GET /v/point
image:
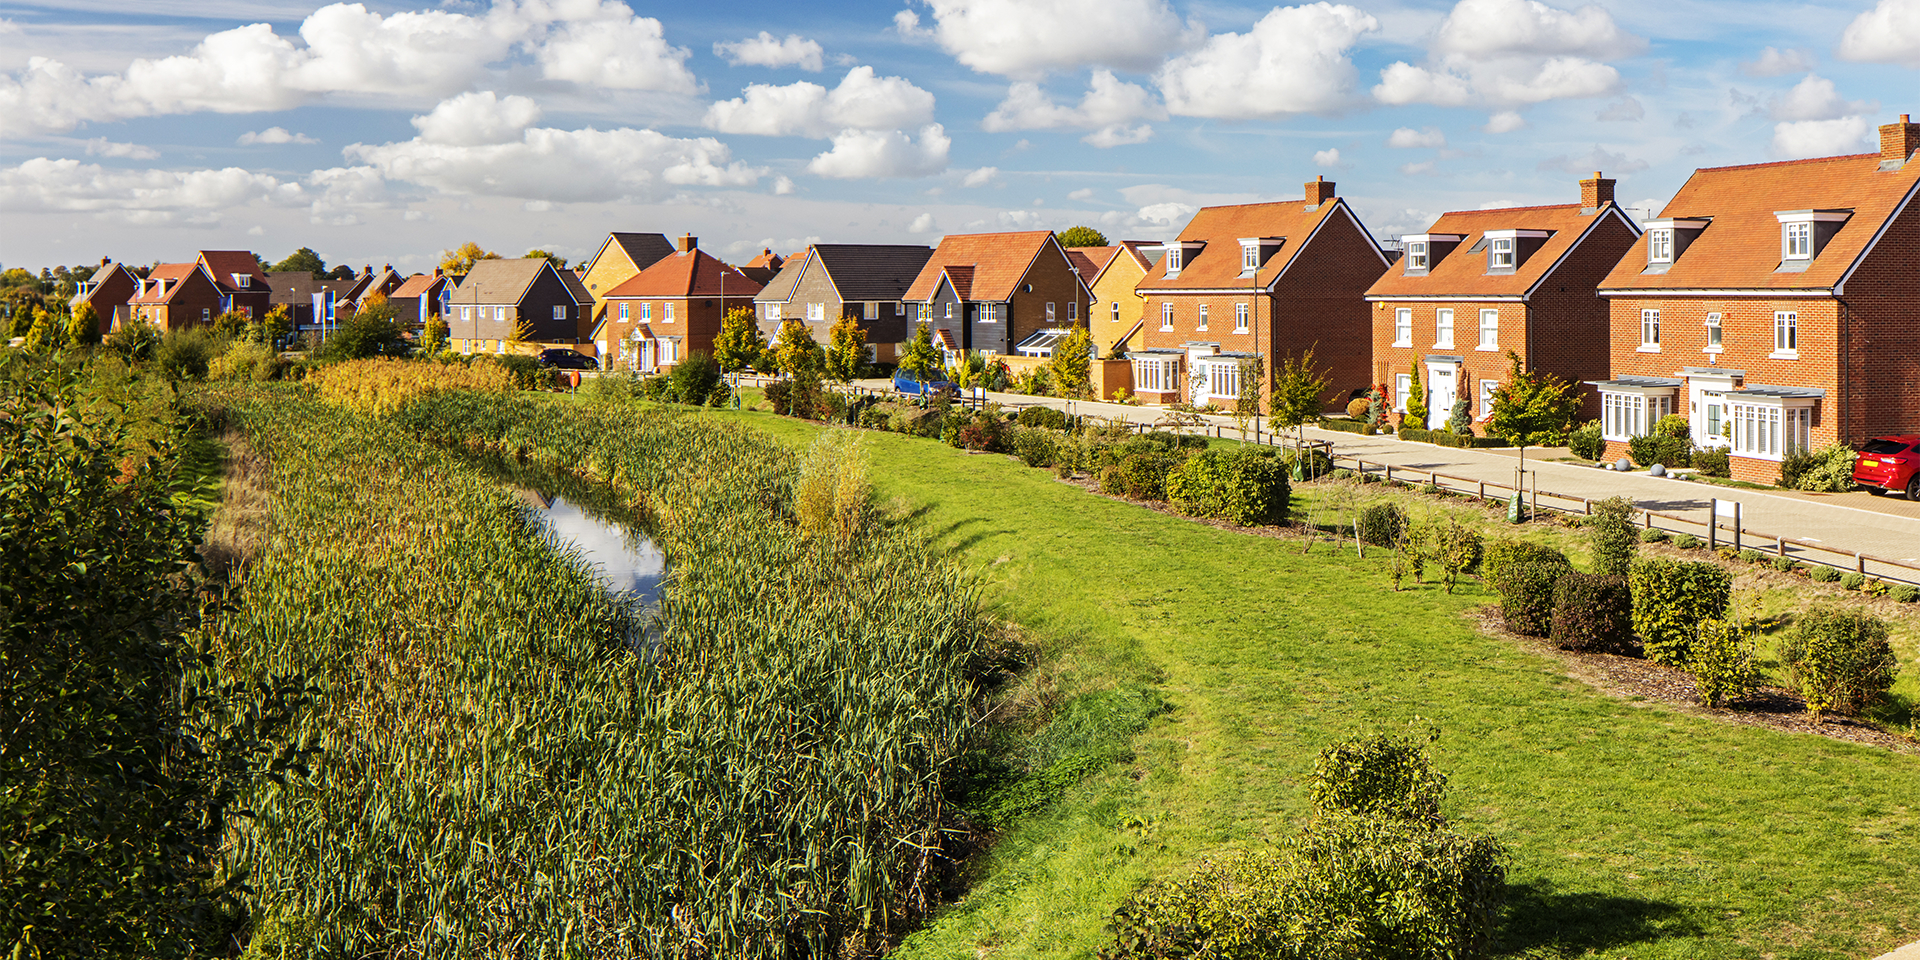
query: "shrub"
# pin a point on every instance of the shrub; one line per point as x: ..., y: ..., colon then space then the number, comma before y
x: 1644, y: 451
x: 1752, y: 556
x: 1853, y: 581
x: 1839, y: 660
x: 1503, y: 554
x: 1142, y: 476
x: 1826, y: 469
x: 1378, y: 776
x: 1420, y: 434
x: 1308, y: 464
x: 693, y: 379
x: 1824, y: 574
x: 1785, y: 564
x: 527, y: 373
x: 1357, y: 408
x: 1592, y: 614
x: 1654, y: 535
x: 1380, y: 524
x: 1043, y: 417
x: 1903, y: 593
x: 1526, y: 595
x: 184, y: 354
x: 1670, y: 599
x: 1036, y: 446
x: 134, y: 340
x: 984, y: 434
x: 1614, y: 540
x: 1457, y: 547
x: 1713, y: 462
x: 246, y: 361
x: 1247, y: 486
x: 369, y: 333
x: 1586, y: 442
x: 1722, y: 662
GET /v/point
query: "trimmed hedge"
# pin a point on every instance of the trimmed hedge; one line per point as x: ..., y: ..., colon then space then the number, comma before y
x: 1527, y: 595
x: 1840, y: 661
x: 1722, y: 664
x: 1343, y: 426
x: 1502, y: 554
x: 1381, y: 524
x: 1247, y: 486
x: 1670, y: 600
x: 1592, y: 613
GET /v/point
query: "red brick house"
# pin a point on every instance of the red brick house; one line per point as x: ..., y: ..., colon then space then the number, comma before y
x: 241, y: 279
x: 1481, y: 283
x: 108, y: 291
x: 421, y: 297
x: 671, y: 309
x: 994, y: 293
x: 1776, y: 305
x: 175, y: 296
x: 1259, y: 282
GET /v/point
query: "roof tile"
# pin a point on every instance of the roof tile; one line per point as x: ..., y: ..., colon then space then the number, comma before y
x: 998, y: 262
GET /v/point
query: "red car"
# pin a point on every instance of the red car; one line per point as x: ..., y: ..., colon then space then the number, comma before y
x: 1889, y: 463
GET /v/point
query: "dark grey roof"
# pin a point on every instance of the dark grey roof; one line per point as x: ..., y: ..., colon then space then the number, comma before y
x: 1770, y: 391
x: 871, y: 271
x: 644, y: 249
x: 780, y: 288
x: 575, y: 287
x: 1636, y: 382
x: 499, y: 281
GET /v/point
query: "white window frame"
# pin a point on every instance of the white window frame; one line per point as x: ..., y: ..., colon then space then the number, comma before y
x: 1796, y: 240
x: 1116, y: 311
x: 1223, y: 380
x: 1403, y: 327
x: 1489, y: 329
x: 500, y: 314
x: 870, y: 310
x: 646, y: 313
x: 1716, y: 333
x: 666, y: 312
x: 466, y: 314
x: 1166, y: 316
x: 1240, y: 318
x: 1443, y: 328
x: 949, y: 310
x: 1201, y: 323
x: 559, y: 311
x: 1660, y: 245
x: 1402, y: 387
x: 816, y: 312
x: 1417, y: 255
x: 1154, y: 374
x: 1486, y: 397
x: 626, y: 312
x: 1249, y: 258
x: 1649, y: 330
x: 1073, y: 311
x: 987, y: 312
x: 1500, y: 253
x: 1786, y: 335
x: 1625, y: 415
x: 926, y: 313
x: 1769, y: 430
x: 1173, y: 260
x: 1049, y: 311
x: 773, y: 311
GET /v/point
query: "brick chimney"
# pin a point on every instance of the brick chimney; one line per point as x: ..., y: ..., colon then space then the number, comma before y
x: 1899, y: 140
x: 1319, y: 191
x: 687, y: 243
x: 1595, y: 192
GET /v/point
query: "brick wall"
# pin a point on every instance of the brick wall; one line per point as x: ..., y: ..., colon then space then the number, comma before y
x: 1053, y: 282
x: 1569, y: 332
x: 1389, y: 361
x: 1882, y: 307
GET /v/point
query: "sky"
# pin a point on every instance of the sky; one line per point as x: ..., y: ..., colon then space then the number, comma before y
x: 374, y: 133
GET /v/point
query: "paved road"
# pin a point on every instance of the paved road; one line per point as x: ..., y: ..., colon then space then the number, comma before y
x: 1885, y: 527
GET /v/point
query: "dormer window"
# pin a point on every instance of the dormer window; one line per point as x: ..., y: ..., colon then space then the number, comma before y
x: 1417, y: 255
x: 1173, y: 260
x: 1797, y: 241
x: 1804, y: 232
x: 1667, y: 239
x: 1660, y: 245
x: 1249, y: 258
x: 1424, y: 250
x: 1500, y: 256
x: 244, y: 280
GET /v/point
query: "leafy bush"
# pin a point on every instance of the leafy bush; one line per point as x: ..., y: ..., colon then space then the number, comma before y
x: 1592, y: 613
x: 1457, y: 547
x: 1503, y: 554
x: 1685, y: 541
x: 1722, y: 662
x: 185, y: 354
x: 1853, y: 581
x: 246, y: 361
x: 1247, y: 486
x: 1785, y: 564
x: 1345, y: 426
x: 1654, y: 535
x: 134, y: 340
x: 1614, y: 540
x: 1357, y: 408
x: 1420, y: 434
x: 369, y: 333
x: 1826, y: 469
x: 1824, y: 574
x: 693, y: 379
x: 1378, y: 776
x: 1752, y: 556
x: 1903, y: 593
x: 1713, y: 462
x: 1036, y: 446
x: 1586, y: 441
x: 526, y: 372
x: 1839, y: 660
x: 1670, y: 599
x: 1380, y: 524
x: 1460, y: 418
x: 1139, y: 476
x: 1043, y: 417
x: 1527, y: 594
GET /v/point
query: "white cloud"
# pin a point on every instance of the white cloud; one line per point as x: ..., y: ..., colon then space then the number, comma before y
x: 865, y: 154
x: 1820, y: 138
x: 347, y: 49
x: 1028, y: 38
x: 1775, y: 62
x: 861, y: 101
x: 908, y: 24
x: 923, y: 224
x: 346, y: 192
x: 1108, y: 109
x: 1625, y: 109
x: 1599, y: 158
x: 980, y: 177
x: 1329, y: 157
x: 782, y: 185
x: 1816, y: 98
x: 1510, y: 52
x: 1084, y: 193
x: 1166, y: 214
x: 1506, y: 121
x: 471, y: 119
x: 102, y: 147
x: 1407, y: 138
x: 1889, y: 33
x: 1416, y: 169
x: 766, y: 50
x: 273, y: 135
x: 1294, y: 60
x: 151, y: 196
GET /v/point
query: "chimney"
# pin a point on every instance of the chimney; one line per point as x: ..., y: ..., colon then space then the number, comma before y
x: 1595, y: 192
x: 104, y: 261
x: 1898, y: 141
x: 687, y: 243
x: 1319, y: 191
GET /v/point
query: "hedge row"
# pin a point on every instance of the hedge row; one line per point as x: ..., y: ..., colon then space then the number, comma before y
x: 1444, y: 438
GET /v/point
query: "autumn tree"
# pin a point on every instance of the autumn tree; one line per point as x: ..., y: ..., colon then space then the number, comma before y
x: 847, y: 353
x: 83, y: 328
x: 1082, y: 236
x: 559, y: 262
x: 796, y: 351
x: 460, y: 260
x: 921, y: 359
x: 1532, y: 408
x: 1072, y: 362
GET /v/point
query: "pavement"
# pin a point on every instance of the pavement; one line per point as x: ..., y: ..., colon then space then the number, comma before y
x: 1909, y: 952
x: 1827, y: 528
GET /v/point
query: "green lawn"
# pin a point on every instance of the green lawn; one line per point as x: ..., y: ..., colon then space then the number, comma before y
x: 1635, y: 830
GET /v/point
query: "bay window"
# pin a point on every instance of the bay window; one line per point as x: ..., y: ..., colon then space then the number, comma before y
x: 1624, y: 416
x: 1154, y: 374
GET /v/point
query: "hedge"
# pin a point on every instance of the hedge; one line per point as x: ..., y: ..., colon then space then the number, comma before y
x: 1592, y: 614
x: 1502, y: 554
x: 1246, y: 486
x: 1840, y: 661
x: 1526, y: 596
x: 1671, y: 598
x: 1343, y: 426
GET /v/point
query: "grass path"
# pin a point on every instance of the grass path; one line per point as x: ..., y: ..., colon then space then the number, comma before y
x: 1636, y: 831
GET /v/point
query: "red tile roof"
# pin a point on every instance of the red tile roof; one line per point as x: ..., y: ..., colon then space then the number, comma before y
x: 172, y: 272
x: 767, y: 259
x: 1216, y: 264
x: 685, y: 274
x: 416, y: 285
x: 1463, y: 271
x: 223, y: 264
x: 998, y: 260
x: 1740, y: 248
x: 1091, y: 260
x: 962, y: 280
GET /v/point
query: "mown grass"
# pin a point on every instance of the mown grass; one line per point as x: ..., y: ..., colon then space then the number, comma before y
x: 1636, y: 830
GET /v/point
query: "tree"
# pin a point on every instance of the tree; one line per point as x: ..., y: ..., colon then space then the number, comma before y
x: 460, y: 260
x: 1072, y: 363
x: 433, y: 336
x: 847, y: 355
x: 1416, y: 399
x: 559, y: 262
x: 276, y: 325
x: 1246, y: 406
x: 796, y: 351
x: 1531, y: 407
x: 739, y: 345
x: 1082, y: 236
x: 231, y: 324
x: 303, y: 259
x: 922, y: 358
x: 84, y: 327
x: 1297, y: 392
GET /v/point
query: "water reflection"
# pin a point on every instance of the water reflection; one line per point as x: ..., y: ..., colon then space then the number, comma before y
x: 623, y: 559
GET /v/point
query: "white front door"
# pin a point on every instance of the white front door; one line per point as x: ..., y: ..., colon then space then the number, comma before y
x: 1442, y: 391
x: 1707, y: 410
x: 1197, y: 374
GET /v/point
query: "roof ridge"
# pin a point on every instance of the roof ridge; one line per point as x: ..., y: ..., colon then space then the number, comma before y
x: 1541, y: 206
x: 1789, y: 163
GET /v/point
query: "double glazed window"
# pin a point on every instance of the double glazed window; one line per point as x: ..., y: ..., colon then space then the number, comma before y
x: 1769, y: 431
x: 1239, y: 318
x: 1715, y: 331
x: 1203, y: 318
x: 1417, y: 255
x: 646, y: 313
x: 1166, y: 316
x: 1249, y: 258
x: 559, y: 312
x: 1489, y: 329
x: 1649, y: 329
x: 667, y: 308
x: 1797, y: 241
x: 1116, y: 311
x: 1501, y: 256
x: 626, y: 312
x: 1223, y: 380
x: 1786, y: 333
x: 1153, y: 374
x: 1624, y: 416
x: 1403, y: 327
x: 1660, y: 245
x: 1402, y: 389
x: 1443, y: 324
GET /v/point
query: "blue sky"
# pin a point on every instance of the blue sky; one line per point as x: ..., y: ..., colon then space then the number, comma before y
x: 383, y: 133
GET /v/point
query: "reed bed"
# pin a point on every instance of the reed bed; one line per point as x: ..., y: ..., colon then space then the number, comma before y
x: 493, y: 770
x: 380, y: 386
